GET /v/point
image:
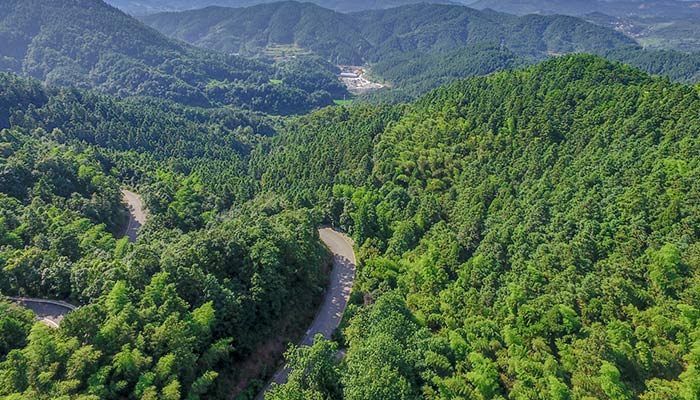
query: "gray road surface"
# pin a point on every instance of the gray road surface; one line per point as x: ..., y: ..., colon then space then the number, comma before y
x: 137, y: 214
x: 49, y: 312
x: 335, y: 300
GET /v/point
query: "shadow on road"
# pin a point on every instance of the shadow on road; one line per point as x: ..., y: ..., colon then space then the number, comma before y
x: 335, y: 300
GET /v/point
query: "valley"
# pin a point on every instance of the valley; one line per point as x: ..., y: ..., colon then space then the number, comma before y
x: 443, y: 44
x: 356, y: 80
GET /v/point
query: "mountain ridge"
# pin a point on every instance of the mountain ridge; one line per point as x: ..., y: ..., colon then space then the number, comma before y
x: 369, y: 35
x: 90, y: 44
x: 146, y: 7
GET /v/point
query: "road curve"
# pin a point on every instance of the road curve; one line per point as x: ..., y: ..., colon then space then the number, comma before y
x: 50, y: 312
x: 137, y: 214
x: 335, y: 300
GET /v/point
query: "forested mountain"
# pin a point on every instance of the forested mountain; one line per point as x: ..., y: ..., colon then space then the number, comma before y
x: 416, y: 73
x: 148, y: 134
x: 88, y: 44
x: 655, y: 24
x: 641, y: 8
x: 248, y: 30
x: 679, y: 33
x: 144, y: 7
x: 437, y: 27
x: 678, y: 66
x: 416, y: 48
x: 372, y: 36
x: 527, y: 235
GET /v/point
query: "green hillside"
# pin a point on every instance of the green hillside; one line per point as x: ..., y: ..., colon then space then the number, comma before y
x: 175, y: 314
x: 678, y: 66
x: 249, y: 30
x: 371, y: 36
x: 415, y: 48
x: 528, y: 235
x: 674, y: 9
x: 655, y: 24
x: 88, y: 44
x: 531, y: 232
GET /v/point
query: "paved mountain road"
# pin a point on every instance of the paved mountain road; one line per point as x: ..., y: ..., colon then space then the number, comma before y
x: 137, y: 214
x: 51, y: 312
x: 327, y: 319
x: 335, y: 300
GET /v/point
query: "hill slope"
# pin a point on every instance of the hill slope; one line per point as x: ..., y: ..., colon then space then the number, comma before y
x: 88, y: 44
x: 371, y: 36
x: 646, y: 8
x: 530, y: 235
x: 414, y: 48
x: 64, y: 156
x: 248, y: 30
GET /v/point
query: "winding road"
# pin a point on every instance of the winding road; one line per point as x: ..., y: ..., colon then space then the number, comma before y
x: 335, y: 300
x: 51, y: 312
x: 326, y: 321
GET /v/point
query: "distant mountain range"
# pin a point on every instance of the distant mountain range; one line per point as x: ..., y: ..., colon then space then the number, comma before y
x: 620, y: 8
x: 373, y: 35
x: 416, y: 47
x: 145, y: 7
x: 656, y: 24
x: 91, y: 45
x: 648, y: 8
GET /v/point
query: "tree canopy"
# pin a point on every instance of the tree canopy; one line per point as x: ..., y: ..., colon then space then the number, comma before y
x: 530, y: 234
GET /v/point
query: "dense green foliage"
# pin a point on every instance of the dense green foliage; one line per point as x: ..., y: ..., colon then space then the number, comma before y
x: 528, y: 234
x: 414, y: 74
x: 110, y: 51
x: 168, y: 315
x: 306, y: 169
x: 195, y: 297
x: 417, y: 48
x: 248, y: 30
x: 15, y: 324
x: 57, y: 207
x: 678, y: 66
x: 373, y: 36
x: 531, y: 234
x: 148, y: 134
x: 314, y: 75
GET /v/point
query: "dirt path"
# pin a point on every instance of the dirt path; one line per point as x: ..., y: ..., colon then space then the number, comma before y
x: 137, y: 214
x: 336, y: 298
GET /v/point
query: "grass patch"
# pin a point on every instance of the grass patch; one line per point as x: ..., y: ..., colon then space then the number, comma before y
x: 342, y: 102
x: 276, y: 81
